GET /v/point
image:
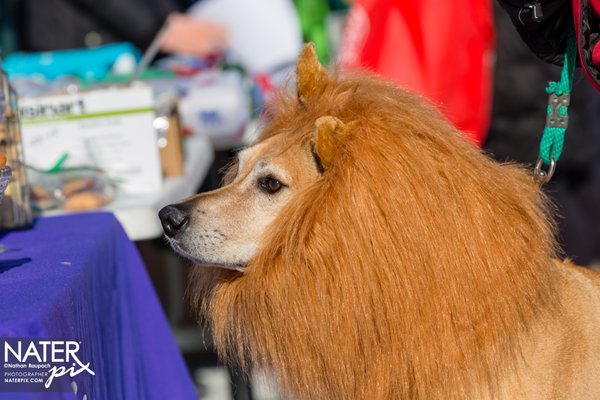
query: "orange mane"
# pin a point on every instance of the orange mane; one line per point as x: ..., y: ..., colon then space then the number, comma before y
x: 409, y: 270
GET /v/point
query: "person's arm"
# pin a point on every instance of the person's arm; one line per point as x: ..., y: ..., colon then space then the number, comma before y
x: 190, y: 36
x: 139, y: 25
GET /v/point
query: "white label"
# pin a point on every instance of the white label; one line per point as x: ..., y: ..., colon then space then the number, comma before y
x: 110, y: 129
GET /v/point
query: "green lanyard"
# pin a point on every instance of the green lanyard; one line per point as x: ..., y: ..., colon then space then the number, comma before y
x: 557, y: 119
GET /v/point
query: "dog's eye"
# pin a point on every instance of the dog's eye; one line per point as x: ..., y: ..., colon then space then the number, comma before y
x: 270, y: 185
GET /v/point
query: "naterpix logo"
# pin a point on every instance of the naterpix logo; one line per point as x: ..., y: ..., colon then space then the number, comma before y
x: 41, y: 364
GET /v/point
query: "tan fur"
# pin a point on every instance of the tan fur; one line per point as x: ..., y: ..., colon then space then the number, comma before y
x: 312, y: 78
x: 328, y: 135
x: 414, y: 267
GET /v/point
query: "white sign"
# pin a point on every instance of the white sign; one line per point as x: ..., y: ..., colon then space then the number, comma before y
x: 106, y: 128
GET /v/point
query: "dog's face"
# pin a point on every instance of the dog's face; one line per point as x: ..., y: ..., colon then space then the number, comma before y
x: 224, y: 228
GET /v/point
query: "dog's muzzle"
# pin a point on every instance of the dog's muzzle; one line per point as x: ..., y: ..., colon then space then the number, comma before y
x: 174, y: 219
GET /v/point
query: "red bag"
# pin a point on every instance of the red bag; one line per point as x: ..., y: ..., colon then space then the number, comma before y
x: 441, y: 49
x: 587, y: 27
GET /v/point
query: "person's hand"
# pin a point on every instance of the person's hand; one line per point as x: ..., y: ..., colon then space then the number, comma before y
x: 190, y: 36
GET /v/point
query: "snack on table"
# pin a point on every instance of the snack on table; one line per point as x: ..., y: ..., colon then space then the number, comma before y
x: 84, y: 193
x: 38, y: 192
x: 76, y: 185
x: 85, y: 201
x: 40, y: 198
x: 70, y: 190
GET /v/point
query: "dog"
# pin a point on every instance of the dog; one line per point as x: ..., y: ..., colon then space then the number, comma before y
x: 363, y: 249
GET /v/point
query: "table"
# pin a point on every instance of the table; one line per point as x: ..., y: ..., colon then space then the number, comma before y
x: 79, y: 278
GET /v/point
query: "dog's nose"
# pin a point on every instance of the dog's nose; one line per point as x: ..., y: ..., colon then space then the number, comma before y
x: 174, y: 219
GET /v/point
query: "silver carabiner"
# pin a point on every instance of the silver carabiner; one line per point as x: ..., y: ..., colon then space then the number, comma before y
x: 540, y: 175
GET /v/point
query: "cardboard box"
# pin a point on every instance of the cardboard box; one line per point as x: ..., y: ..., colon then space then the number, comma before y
x: 109, y: 128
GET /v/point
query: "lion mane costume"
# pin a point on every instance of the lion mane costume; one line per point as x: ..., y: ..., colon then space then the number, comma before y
x: 415, y: 267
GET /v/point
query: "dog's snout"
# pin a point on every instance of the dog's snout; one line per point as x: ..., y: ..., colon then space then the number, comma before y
x: 174, y: 219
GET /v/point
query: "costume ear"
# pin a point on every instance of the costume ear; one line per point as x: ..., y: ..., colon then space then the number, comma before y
x: 326, y: 140
x: 311, y: 77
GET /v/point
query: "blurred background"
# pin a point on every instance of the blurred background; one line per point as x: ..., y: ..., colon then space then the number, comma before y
x: 206, y: 69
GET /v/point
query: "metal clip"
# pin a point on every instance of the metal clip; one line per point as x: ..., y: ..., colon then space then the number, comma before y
x: 554, y: 119
x: 537, y: 12
x: 540, y: 175
x: 531, y: 12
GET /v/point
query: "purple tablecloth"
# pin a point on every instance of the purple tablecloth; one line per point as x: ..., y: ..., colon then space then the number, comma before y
x: 80, y: 278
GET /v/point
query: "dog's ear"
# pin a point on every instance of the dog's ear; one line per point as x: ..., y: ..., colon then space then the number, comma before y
x: 326, y: 140
x: 311, y: 77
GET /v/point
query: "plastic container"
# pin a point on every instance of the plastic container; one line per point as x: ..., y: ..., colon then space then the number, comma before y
x: 15, y: 210
x: 72, y: 189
